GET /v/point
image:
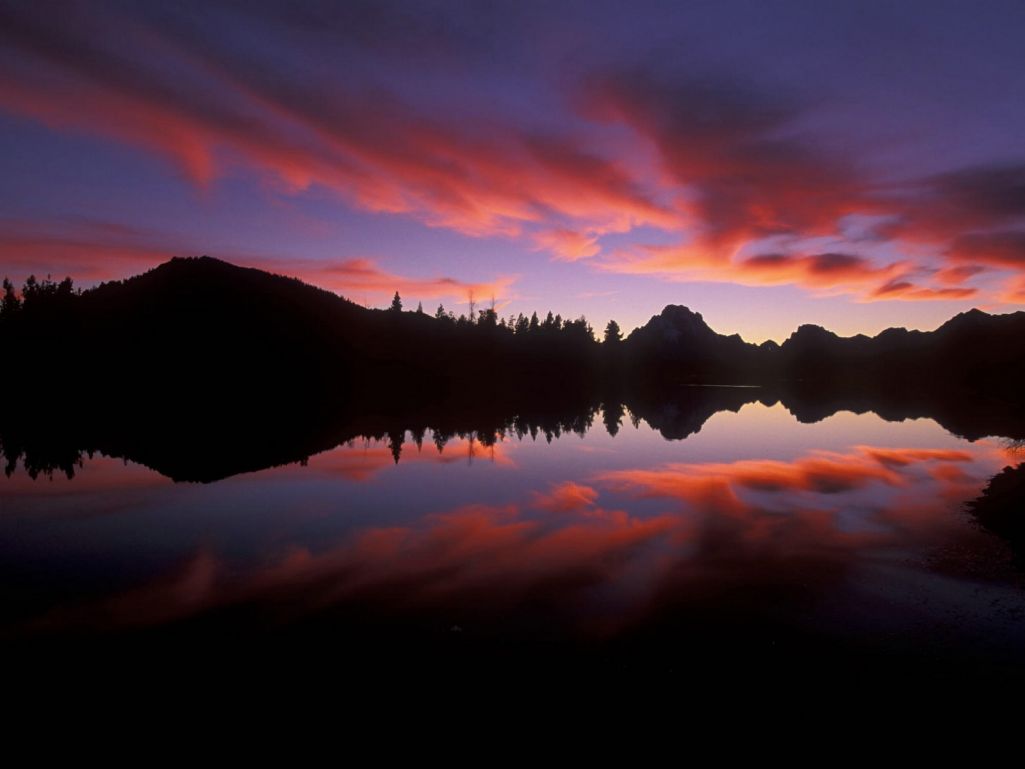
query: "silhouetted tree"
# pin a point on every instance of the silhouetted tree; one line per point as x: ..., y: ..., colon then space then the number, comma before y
x: 534, y: 324
x: 613, y: 335
x: 10, y: 303
x: 420, y: 308
x: 30, y: 291
x: 396, y: 303
x: 488, y: 319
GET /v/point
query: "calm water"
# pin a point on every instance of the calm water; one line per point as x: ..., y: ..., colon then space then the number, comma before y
x: 757, y: 531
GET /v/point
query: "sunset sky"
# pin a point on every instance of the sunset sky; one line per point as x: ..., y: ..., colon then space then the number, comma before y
x: 856, y: 165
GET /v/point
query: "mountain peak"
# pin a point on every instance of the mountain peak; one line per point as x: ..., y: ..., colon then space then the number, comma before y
x: 969, y: 319
x: 679, y: 311
x: 812, y: 331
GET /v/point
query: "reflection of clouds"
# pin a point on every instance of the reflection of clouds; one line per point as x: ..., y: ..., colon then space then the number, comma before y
x: 566, y: 497
x: 749, y: 523
x: 493, y: 553
x: 717, y: 484
x: 98, y: 473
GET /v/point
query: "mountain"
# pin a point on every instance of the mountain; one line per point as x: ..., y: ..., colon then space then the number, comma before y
x: 202, y: 330
x: 677, y: 344
x: 972, y: 350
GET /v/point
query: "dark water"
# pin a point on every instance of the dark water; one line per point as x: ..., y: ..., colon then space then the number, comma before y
x: 757, y: 541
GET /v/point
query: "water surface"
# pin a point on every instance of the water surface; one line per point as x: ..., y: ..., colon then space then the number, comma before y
x: 849, y: 535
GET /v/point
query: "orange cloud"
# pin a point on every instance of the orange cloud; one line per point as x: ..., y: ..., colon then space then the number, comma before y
x: 567, y: 244
x: 1014, y: 293
x: 956, y: 275
x: 905, y: 289
x: 826, y: 273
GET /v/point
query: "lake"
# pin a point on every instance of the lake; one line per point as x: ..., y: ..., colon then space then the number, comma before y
x: 757, y: 539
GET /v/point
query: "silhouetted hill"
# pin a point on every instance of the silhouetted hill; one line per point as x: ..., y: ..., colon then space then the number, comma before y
x: 202, y: 324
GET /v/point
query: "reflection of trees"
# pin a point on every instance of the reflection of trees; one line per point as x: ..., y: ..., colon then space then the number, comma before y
x: 214, y: 445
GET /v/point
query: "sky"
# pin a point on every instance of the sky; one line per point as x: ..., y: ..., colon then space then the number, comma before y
x: 857, y: 165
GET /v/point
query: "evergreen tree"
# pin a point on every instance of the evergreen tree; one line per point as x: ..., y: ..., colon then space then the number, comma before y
x: 612, y: 333
x: 10, y: 303
x: 396, y: 303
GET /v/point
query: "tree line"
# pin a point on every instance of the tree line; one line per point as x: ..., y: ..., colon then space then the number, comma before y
x: 36, y: 295
x: 518, y: 325
x: 47, y: 294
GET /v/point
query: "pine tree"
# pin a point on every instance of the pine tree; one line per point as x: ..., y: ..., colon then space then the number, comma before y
x: 396, y: 303
x: 9, y: 303
x: 612, y: 333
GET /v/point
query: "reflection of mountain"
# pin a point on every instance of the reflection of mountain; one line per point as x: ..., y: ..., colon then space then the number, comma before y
x: 969, y: 415
x: 685, y: 414
x: 45, y: 443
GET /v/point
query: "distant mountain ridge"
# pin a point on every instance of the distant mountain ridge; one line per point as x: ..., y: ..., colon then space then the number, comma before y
x: 200, y: 321
x: 973, y: 347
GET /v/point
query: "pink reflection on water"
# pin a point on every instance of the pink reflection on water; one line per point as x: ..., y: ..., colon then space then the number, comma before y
x: 602, y: 552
